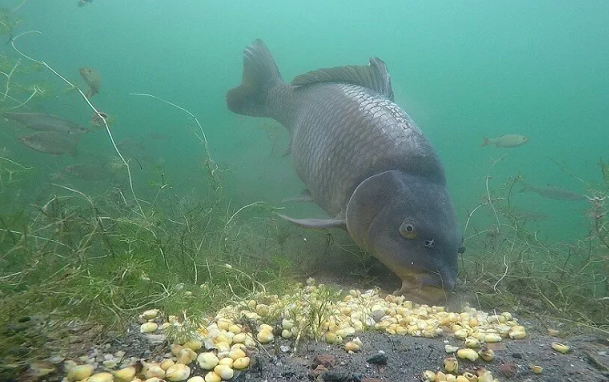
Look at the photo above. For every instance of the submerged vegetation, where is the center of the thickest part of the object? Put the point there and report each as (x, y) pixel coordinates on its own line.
(75, 259)
(75, 262)
(508, 264)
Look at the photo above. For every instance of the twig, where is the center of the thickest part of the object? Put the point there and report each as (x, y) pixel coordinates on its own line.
(203, 138)
(8, 79)
(18, 6)
(36, 90)
(562, 167)
(504, 273)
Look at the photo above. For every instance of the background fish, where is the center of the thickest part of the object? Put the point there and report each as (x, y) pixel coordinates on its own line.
(51, 142)
(88, 171)
(552, 192)
(46, 122)
(365, 162)
(92, 79)
(505, 141)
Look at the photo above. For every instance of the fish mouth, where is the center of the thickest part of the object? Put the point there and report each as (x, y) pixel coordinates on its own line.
(427, 287)
(442, 280)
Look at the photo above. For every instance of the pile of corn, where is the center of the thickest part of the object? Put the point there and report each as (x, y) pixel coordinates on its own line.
(315, 312)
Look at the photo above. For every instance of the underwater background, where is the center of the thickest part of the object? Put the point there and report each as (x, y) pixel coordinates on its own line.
(463, 70)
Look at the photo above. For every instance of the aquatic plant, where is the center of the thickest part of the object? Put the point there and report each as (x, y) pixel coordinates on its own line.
(86, 99)
(210, 165)
(509, 264)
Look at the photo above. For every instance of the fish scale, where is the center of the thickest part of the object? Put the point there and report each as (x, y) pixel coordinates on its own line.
(330, 142)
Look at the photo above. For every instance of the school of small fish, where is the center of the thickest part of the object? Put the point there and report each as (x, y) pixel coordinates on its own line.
(57, 135)
(548, 192)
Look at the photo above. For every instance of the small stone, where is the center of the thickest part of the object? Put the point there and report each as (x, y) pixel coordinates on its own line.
(334, 376)
(325, 360)
(155, 339)
(119, 354)
(378, 359)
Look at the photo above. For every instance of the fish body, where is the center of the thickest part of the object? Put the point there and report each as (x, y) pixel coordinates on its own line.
(46, 122)
(88, 171)
(364, 161)
(51, 142)
(552, 192)
(505, 141)
(92, 79)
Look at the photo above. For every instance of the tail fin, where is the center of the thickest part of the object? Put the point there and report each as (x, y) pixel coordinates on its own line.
(260, 73)
(485, 142)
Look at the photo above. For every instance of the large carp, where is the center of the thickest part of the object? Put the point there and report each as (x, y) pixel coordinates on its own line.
(364, 161)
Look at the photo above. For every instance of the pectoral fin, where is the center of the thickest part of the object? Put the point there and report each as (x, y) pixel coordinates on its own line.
(316, 223)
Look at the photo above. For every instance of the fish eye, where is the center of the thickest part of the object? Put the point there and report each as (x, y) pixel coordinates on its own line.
(407, 229)
(430, 243)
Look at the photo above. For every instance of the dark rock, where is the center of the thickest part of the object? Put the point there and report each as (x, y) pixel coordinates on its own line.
(378, 359)
(335, 376)
(287, 374)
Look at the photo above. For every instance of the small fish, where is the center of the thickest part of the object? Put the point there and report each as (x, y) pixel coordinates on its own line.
(100, 119)
(525, 215)
(506, 141)
(88, 171)
(51, 142)
(46, 122)
(82, 3)
(93, 80)
(552, 192)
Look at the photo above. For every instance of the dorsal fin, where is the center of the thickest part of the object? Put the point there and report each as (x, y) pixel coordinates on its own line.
(373, 76)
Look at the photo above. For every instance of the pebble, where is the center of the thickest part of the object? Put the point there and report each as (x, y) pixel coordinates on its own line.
(378, 359)
(155, 339)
